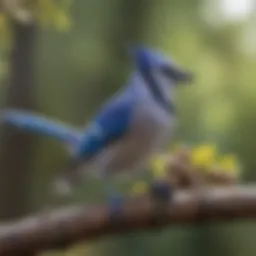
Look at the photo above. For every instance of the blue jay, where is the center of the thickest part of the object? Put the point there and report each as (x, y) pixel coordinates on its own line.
(134, 124)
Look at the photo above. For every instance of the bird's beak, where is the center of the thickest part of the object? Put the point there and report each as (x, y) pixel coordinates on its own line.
(186, 77)
(177, 74)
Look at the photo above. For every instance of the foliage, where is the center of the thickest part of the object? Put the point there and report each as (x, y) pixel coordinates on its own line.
(47, 13)
(203, 160)
(203, 157)
(53, 13)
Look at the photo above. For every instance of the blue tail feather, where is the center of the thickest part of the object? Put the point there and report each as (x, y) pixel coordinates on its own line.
(41, 125)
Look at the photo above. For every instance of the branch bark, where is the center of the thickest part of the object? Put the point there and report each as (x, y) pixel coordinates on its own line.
(65, 226)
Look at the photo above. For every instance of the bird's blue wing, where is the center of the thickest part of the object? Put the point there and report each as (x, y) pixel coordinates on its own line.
(109, 125)
(38, 124)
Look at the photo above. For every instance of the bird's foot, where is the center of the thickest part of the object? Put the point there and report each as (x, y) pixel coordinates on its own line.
(161, 191)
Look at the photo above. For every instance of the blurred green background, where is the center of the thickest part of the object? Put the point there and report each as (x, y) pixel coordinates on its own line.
(77, 66)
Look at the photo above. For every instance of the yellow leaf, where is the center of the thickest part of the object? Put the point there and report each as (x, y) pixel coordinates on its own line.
(229, 163)
(158, 166)
(203, 156)
(45, 11)
(62, 21)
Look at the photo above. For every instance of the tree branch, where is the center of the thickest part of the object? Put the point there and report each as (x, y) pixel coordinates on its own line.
(69, 225)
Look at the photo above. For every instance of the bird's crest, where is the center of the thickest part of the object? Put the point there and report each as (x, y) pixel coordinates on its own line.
(148, 60)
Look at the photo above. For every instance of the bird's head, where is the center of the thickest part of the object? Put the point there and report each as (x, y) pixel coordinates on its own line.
(153, 63)
(160, 73)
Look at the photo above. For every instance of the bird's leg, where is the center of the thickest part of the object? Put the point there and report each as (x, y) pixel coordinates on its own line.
(114, 197)
(161, 192)
(160, 189)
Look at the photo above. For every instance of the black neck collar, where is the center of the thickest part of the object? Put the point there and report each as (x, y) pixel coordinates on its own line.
(156, 92)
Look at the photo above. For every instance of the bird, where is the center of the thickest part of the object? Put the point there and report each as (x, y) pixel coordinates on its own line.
(135, 123)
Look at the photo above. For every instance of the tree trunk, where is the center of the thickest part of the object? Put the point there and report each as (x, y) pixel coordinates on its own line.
(16, 147)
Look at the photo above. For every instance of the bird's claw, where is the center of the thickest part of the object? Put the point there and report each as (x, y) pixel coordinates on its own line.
(161, 191)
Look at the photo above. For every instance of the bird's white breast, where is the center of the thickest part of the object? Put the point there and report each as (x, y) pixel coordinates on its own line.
(149, 132)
